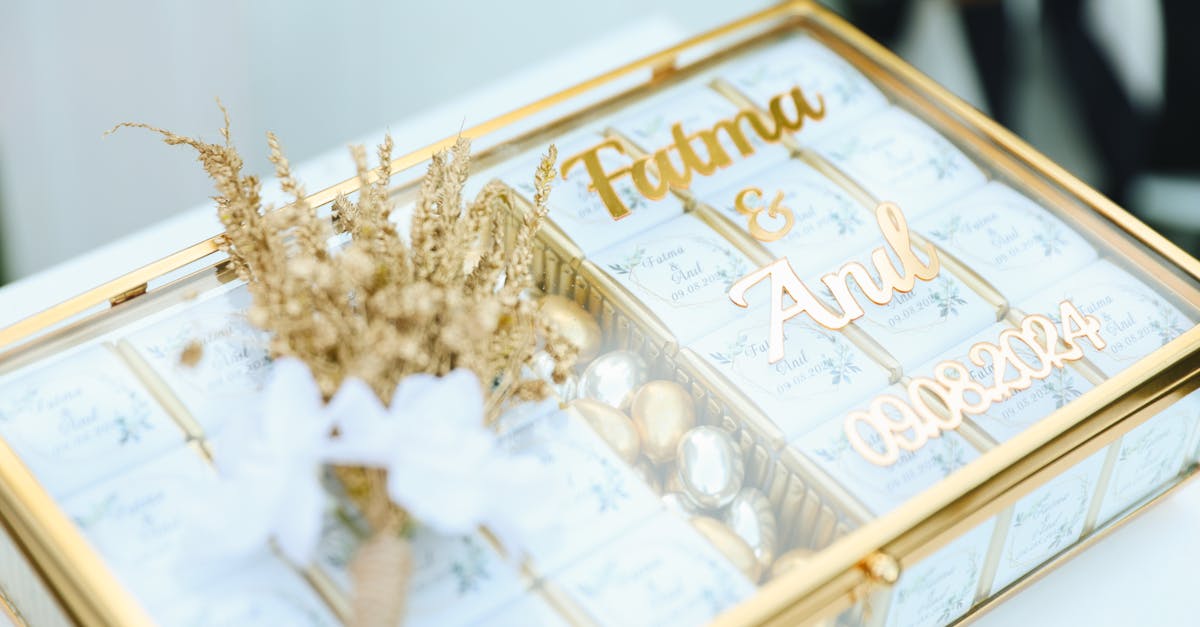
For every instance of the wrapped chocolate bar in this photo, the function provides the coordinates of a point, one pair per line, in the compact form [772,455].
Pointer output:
[458,580]
[1021,409]
[845,94]
[660,572]
[267,593]
[85,410]
[578,211]
[943,585]
[1007,239]
[1046,521]
[883,488]
[681,271]
[138,519]
[206,352]
[896,157]
[1133,319]
[602,495]
[822,371]
[1148,457]
[824,220]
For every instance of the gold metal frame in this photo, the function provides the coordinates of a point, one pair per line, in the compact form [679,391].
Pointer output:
[839,575]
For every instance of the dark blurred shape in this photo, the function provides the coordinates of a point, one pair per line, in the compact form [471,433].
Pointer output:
[1177,131]
[1113,123]
[1127,141]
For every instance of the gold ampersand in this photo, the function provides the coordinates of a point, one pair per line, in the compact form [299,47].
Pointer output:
[774,210]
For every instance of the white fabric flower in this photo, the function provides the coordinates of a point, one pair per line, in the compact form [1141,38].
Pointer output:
[444,466]
[270,472]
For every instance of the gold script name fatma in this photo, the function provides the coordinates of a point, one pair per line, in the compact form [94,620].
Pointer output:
[656,174]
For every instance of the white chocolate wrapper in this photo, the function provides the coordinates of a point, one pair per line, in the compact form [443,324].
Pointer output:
[1134,320]
[696,107]
[270,593]
[137,521]
[828,221]
[1009,417]
[661,573]
[941,587]
[917,325]
[821,372]
[82,418]
[456,580]
[603,498]
[1150,455]
[1009,240]
[1048,520]
[235,361]
[883,488]
[578,210]
[897,157]
[529,610]
[682,271]
[802,62]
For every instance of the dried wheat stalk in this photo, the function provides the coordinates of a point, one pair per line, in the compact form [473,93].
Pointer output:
[381,308]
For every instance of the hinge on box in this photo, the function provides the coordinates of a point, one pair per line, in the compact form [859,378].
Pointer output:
[662,70]
[225,272]
[128,294]
[882,568]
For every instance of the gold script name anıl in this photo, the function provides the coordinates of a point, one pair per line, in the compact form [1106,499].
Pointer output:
[892,278]
[656,174]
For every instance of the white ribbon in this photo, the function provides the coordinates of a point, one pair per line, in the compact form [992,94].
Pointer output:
[444,466]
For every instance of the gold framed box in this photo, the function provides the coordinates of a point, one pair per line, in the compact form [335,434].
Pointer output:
[858,558]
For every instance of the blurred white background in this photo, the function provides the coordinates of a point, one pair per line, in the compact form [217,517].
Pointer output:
[318,74]
[322,74]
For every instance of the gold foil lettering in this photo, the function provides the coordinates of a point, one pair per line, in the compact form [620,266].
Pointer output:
[917,423]
[667,175]
[784,281]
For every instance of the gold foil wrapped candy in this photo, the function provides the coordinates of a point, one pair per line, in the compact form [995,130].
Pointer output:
[732,546]
[650,474]
[749,515]
[612,378]
[663,411]
[710,467]
[574,323]
[612,426]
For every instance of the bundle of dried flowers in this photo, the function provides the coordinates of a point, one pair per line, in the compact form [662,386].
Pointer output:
[380,309]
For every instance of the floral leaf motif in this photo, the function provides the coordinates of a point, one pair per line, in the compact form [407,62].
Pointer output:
[1052,241]
[131,427]
[847,88]
[471,571]
[835,448]
[943,162]
[847,220]
[841,366]
[948,299]
[733,269]
[735,348]
[1062,388]
[949,230]
[1167,325]
[630,262]
[630,196]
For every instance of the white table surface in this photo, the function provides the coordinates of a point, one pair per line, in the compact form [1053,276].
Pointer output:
[1140,575]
